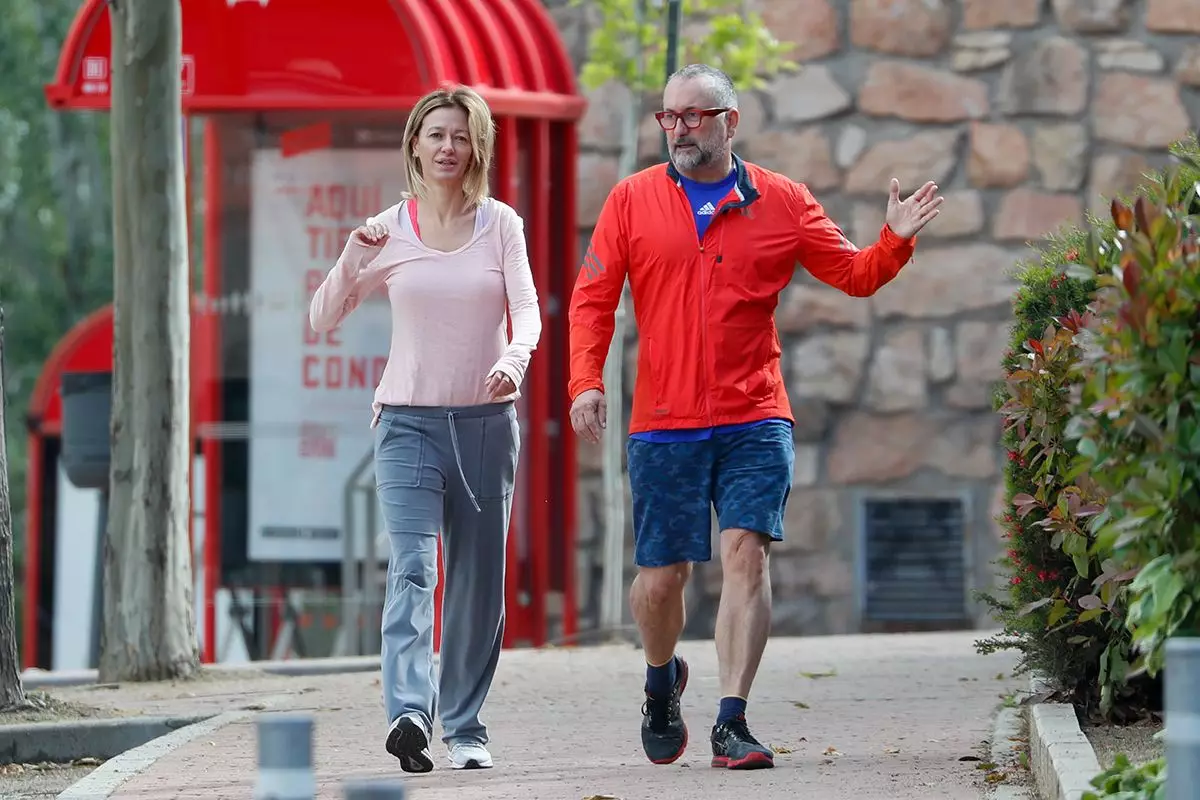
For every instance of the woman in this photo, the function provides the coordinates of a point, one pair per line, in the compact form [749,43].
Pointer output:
[453,261]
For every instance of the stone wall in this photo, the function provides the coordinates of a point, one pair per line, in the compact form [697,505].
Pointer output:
[1027,113]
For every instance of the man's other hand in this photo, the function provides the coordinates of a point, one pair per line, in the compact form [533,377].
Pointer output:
[589,415]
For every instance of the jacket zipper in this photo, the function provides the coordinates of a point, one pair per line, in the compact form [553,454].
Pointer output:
[725,206]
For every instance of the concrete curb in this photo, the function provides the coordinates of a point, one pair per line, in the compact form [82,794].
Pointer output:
[1062,759]
[101,782]
[107,778]
[1005,728]
[60,742]
[42,679]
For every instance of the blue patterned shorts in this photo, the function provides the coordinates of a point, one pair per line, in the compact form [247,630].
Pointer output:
[746,475]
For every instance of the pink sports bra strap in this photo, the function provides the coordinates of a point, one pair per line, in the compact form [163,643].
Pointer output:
[412,215]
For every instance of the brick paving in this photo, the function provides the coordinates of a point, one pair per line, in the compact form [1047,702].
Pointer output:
[890,723]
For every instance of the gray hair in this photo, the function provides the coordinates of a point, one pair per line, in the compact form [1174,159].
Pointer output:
[720,86]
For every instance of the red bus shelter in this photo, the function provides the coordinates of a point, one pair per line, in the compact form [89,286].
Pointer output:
[298,107]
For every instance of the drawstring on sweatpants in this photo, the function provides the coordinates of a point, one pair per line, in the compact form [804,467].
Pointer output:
[458,459]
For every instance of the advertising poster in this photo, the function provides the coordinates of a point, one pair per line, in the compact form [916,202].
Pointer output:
[310,394]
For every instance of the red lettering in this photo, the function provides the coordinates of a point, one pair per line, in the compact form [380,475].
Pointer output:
[325,244]
[339,201]
[334,372]
[343,372]
[317,441]
[313,279]
[331,338]
[310,379]
[358,372]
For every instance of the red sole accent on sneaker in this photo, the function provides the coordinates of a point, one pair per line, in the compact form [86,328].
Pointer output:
[678,755]
[752,761]
[683,681]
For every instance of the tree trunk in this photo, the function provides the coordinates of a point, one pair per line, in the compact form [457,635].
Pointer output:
[612,595]
[11,692]
[149,626]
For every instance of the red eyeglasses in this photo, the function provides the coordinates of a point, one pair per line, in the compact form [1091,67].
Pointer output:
[692,117]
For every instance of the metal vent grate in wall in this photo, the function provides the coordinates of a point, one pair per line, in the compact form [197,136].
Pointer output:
[914,559]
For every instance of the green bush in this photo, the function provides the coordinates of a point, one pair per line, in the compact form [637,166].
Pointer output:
[1125,781]
[1047,612]
[1136,420]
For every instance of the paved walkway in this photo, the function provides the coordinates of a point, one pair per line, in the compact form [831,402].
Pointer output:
[890,723]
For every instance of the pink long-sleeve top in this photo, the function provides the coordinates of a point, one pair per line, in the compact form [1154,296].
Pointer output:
[449,328]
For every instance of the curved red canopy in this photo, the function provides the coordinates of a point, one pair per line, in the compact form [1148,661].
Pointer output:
[250,55]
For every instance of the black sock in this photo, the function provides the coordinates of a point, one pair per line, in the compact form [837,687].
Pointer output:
[731,708]
[660,680]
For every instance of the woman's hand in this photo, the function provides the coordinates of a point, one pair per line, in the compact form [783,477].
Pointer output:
[499,385]
[373,235]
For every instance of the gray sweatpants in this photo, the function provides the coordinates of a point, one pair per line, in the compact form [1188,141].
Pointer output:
[447,471]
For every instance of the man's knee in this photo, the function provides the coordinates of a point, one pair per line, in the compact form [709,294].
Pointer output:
[662,585]
[744,554]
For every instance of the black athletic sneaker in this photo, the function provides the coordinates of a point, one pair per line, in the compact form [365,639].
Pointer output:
[408,741]
[734,747]
[664,735]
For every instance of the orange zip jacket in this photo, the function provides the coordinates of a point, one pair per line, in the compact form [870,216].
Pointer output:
[708,350]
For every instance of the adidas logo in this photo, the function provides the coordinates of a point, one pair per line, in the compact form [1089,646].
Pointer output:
[707,210]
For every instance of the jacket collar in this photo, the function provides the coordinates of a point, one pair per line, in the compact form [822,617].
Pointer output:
[744,189]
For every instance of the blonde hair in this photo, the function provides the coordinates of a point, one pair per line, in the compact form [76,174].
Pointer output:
[480,126]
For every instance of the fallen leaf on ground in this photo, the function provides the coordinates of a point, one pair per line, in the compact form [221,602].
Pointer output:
[815,675]
[995,777]
[891,750]
[798,704]
[780,750]
[831,751]
[970,758]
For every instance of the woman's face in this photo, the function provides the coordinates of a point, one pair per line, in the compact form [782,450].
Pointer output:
[443,145]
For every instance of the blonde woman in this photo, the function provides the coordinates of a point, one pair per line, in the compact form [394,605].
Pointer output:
[453,261]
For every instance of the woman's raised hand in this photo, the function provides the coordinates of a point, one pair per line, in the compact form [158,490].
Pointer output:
[373,235]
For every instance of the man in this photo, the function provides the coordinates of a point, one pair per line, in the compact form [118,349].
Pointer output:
[708,242]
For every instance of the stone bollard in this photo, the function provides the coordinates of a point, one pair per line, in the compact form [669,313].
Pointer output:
[1181,683]
[374,790]
[285,758]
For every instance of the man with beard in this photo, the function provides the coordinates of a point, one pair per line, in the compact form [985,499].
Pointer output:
[708,241]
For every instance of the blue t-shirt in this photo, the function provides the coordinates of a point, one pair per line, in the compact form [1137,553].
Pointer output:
[705,199]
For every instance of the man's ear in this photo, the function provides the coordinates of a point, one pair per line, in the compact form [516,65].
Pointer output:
[731,122]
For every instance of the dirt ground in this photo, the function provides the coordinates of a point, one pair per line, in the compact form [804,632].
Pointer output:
[44,707]
[210,692]
[1135,741]
[41,781]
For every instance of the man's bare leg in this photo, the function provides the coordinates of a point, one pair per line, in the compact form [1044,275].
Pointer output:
[656,599]
[744,613]
[743,625]
[657,602]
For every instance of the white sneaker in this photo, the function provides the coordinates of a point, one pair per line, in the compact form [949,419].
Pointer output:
[408,741]
[469,755]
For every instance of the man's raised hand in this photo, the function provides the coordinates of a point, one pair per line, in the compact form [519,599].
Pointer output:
[906,218]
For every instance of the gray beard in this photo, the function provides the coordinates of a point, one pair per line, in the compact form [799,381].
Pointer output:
[691,159]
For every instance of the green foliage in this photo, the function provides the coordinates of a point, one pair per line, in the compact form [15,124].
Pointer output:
[1103,435]
[55,224]
[635,54]
[1136,422]
[1062,607]
[1125,781]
